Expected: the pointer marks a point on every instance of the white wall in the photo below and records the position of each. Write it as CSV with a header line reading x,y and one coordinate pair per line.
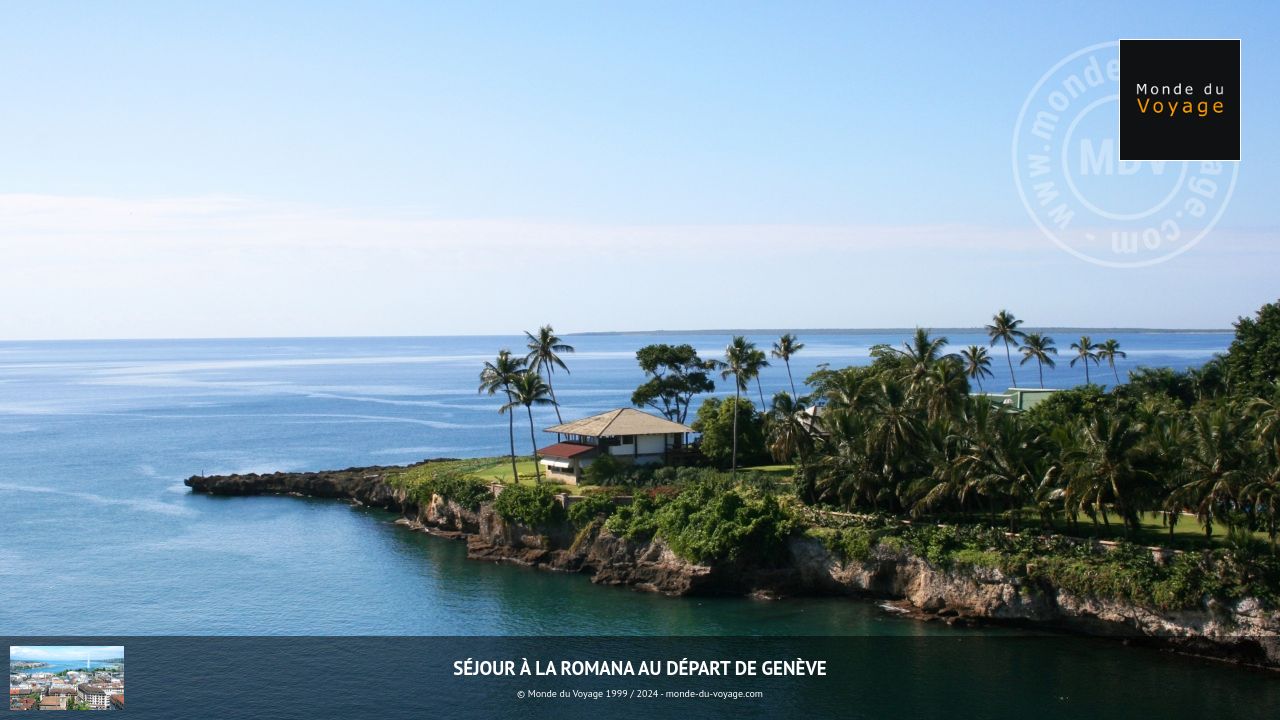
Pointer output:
x,y
645,445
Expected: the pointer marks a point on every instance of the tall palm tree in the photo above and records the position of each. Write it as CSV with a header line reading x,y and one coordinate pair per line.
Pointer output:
x,y
543,358
739,360
499,375
1109,351
1004,326
784,349
758,362
528,389
977,363
1085,352
1039,347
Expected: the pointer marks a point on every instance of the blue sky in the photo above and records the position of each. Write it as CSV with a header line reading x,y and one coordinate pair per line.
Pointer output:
x,y
415,168
55,653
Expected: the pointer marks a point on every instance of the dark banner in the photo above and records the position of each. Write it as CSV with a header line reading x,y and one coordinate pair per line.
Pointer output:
x,y
995,676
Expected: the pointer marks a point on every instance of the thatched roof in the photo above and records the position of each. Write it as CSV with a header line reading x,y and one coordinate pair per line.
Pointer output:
x,y
623,421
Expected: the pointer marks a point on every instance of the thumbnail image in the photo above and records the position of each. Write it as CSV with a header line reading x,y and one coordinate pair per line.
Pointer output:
x,y
66,677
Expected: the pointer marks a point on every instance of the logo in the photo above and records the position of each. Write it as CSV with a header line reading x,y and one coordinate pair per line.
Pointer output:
x,y
1082,196
1180,100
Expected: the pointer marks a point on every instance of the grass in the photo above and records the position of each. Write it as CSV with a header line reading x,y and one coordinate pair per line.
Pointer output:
x,y
1152,531
491,470
1187,534
499,469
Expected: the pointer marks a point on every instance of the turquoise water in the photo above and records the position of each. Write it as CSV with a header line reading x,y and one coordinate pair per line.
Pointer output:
x,y
101,537
57,666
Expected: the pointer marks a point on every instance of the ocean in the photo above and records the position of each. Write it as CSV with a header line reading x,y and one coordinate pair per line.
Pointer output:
x,y
100,538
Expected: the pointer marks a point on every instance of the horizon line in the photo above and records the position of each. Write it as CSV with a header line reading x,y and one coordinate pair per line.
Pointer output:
x,y
658,331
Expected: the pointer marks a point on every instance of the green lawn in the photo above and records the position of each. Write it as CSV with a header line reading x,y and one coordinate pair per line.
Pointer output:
x,y
1187,533
499,469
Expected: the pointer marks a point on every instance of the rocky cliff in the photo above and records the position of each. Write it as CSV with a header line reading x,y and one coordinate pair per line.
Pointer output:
x,y
1243,632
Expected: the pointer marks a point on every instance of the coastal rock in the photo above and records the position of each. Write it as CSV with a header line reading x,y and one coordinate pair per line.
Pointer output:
x,y
1244,632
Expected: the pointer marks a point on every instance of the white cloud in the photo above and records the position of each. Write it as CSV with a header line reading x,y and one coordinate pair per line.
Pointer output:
x,y
224,266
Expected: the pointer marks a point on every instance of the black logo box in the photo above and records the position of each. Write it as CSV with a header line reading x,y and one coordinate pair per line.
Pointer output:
x,y
1187,69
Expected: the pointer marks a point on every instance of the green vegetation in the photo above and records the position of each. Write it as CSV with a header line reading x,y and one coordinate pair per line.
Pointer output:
x,y
898,455
453,480
543,359
498,375
526,382
533,506
1253,361
730,438
714,522
711,519
674,374
493,471
1123,571
589,509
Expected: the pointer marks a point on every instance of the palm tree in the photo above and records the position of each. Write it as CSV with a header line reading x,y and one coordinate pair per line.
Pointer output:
x,y
1215,459
499,375
787,429
922,351
528,389
1109,351
543,358
739,358
893,429
977,363
784,349
945,388
1084,348
758,362
1107,466
1004,326
1039,347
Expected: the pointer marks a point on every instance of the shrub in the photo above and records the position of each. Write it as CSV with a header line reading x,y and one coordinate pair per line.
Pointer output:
x,y
709,522
454,485
603,470
849,543
530,505
638,520
588,509
449,480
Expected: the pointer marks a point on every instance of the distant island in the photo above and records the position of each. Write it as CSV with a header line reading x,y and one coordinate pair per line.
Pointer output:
x,y
891,330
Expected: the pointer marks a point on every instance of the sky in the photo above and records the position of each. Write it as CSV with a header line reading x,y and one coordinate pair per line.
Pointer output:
x,y
54,653
241,169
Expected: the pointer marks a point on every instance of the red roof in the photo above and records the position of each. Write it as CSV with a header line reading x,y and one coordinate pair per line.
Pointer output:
x,y
565,450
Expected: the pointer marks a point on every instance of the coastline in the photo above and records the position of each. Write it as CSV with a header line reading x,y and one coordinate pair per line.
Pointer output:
x,y
1242,632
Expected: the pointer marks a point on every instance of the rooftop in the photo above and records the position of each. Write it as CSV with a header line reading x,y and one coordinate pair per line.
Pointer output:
x,y
566,450
623,421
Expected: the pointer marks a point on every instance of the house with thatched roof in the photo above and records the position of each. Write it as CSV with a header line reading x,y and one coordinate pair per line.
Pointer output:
x,y
627,434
